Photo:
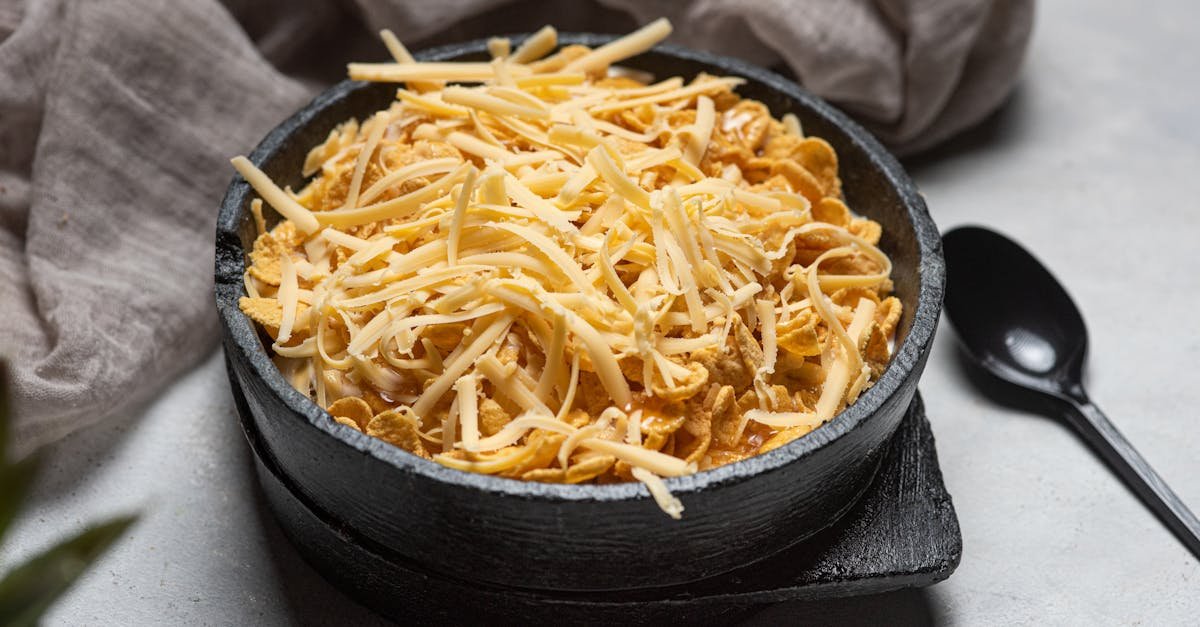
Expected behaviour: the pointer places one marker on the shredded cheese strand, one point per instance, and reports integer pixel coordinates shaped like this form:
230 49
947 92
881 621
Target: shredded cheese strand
630 45
277 198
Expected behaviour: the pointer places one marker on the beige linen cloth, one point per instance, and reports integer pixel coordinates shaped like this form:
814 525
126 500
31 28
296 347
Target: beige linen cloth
118 117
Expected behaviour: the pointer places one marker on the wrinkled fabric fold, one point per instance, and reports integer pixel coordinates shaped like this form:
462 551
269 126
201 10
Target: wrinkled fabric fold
118 117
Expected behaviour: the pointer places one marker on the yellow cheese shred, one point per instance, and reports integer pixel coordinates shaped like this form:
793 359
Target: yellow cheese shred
630 45
288 298
536 46
659 492
277 198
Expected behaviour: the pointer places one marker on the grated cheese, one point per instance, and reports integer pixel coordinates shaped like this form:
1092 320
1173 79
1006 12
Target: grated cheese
460 214
536 46
658 490
577 236
407 72
632 44
277 198
288 298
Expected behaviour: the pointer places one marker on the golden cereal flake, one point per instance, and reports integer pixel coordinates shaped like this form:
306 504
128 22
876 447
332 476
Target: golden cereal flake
631 367
621 471
685 388
831 211
725 417
869 230
658 427
798 335
876 353
693 447
398 428
783 401
818 157
545 445
782 146
724 367
342 420
748 122
354 409
783 437
856 263
577 418
546 475
492 417
801 180
747 346
888 315
269 313
591 395
774 183
849 296
589 468
694 438
265 265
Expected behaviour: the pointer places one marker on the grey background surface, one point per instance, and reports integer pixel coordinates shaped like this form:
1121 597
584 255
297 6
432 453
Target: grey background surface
1094 164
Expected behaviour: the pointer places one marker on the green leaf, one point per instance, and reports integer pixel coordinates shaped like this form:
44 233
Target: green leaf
3 412
15 480
29 590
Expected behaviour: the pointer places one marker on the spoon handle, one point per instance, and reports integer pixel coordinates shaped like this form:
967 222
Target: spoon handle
1136 473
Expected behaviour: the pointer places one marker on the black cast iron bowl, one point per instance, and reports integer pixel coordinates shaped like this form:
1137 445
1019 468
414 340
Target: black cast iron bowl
472 527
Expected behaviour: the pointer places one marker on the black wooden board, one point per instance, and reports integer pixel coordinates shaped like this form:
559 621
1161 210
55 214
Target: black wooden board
902 533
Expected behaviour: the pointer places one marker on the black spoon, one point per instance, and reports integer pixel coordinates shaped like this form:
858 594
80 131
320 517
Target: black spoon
1018 323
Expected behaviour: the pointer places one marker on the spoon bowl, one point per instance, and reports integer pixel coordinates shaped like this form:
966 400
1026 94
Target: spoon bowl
1016 321
1022 325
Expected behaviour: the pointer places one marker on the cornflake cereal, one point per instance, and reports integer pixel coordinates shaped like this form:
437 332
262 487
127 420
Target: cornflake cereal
541 268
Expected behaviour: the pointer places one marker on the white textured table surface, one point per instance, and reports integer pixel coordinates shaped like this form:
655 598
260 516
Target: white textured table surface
1094 165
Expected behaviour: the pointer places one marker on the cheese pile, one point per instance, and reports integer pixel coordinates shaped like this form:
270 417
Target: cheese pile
542 267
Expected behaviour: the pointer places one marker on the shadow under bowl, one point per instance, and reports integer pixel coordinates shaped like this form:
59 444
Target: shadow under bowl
474 527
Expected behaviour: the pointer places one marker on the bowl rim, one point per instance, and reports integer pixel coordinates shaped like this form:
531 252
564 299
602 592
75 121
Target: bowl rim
239 332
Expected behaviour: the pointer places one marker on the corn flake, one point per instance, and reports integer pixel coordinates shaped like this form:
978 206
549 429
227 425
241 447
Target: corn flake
888 315
818 157
724 416
657 428
354 409
342 420
747 346
800 179
492 417
685 388
589 468
869 230
831 211
269 247
877 353
724 368
269 313
545 475
798 335
545 445
398 428
783 437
